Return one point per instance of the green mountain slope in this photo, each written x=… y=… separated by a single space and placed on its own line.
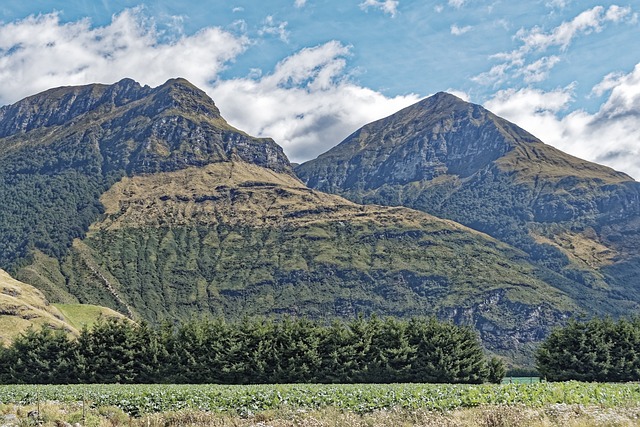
x=234 y=238
x=146 y=201
x=457 y=160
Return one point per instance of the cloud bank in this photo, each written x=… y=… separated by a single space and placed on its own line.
x=307 y=104
x=529 y=61
x=40 y=52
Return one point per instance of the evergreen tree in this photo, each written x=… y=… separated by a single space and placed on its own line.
x=116 y=351
x=496 y=370
x=597 y=350
x=41 y=357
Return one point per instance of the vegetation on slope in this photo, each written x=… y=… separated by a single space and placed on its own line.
x=23 y=307
x=234 y=238
x=147 y=201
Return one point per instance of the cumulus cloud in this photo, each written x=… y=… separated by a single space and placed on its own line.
x=40 y=52
x=538 y=70
x=458 y=31
x=530 y=63
x=557 y=4
x=456 y=3
x=271 y=27
x=307 y=104
x=610 y=136
x=300 y=3
x=387 y=6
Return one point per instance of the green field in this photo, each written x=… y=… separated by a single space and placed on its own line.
x=358 y=398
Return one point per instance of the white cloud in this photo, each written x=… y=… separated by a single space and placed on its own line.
x=438 y=8
x=610 y=136
x=557 y=4
x=300 y=3
x=40 y=52
x=588 y=21
x=617 y=14
x=456 y=3
x=538 y=70
x=307 y=104
x=458 y=31
x=271 y=27
x=387 y=6
x=536 y=41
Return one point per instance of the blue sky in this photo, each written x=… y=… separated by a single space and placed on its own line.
x=310 y=72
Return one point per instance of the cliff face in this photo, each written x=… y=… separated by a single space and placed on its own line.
x=136 y=128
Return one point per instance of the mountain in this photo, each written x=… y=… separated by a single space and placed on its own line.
x=147 y=201
x=459 y=161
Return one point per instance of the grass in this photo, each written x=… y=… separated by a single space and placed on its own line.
x=520 y=380
x=23 y=306
x=81 y=315
x=56 y=414
x=569 y=404
x=246 y=400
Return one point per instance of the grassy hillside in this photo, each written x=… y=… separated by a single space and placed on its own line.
x=22 y=307
x=81 y=315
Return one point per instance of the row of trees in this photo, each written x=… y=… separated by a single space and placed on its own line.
x=253 y=351
x=598 y=350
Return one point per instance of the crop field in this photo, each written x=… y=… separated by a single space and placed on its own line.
x=137 y=400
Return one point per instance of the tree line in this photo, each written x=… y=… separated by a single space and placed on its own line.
x=252 y=351
x=600 y=350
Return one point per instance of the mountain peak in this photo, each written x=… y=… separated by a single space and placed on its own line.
x=444 y=97
x=439 y=135
x=63 y=104
x=179 y=93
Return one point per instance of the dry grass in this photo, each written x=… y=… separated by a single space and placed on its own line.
x=489 y=416
x=240 y=193
x=24 y=306
x=584 y=247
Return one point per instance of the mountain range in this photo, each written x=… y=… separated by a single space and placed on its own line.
x=147 y=201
